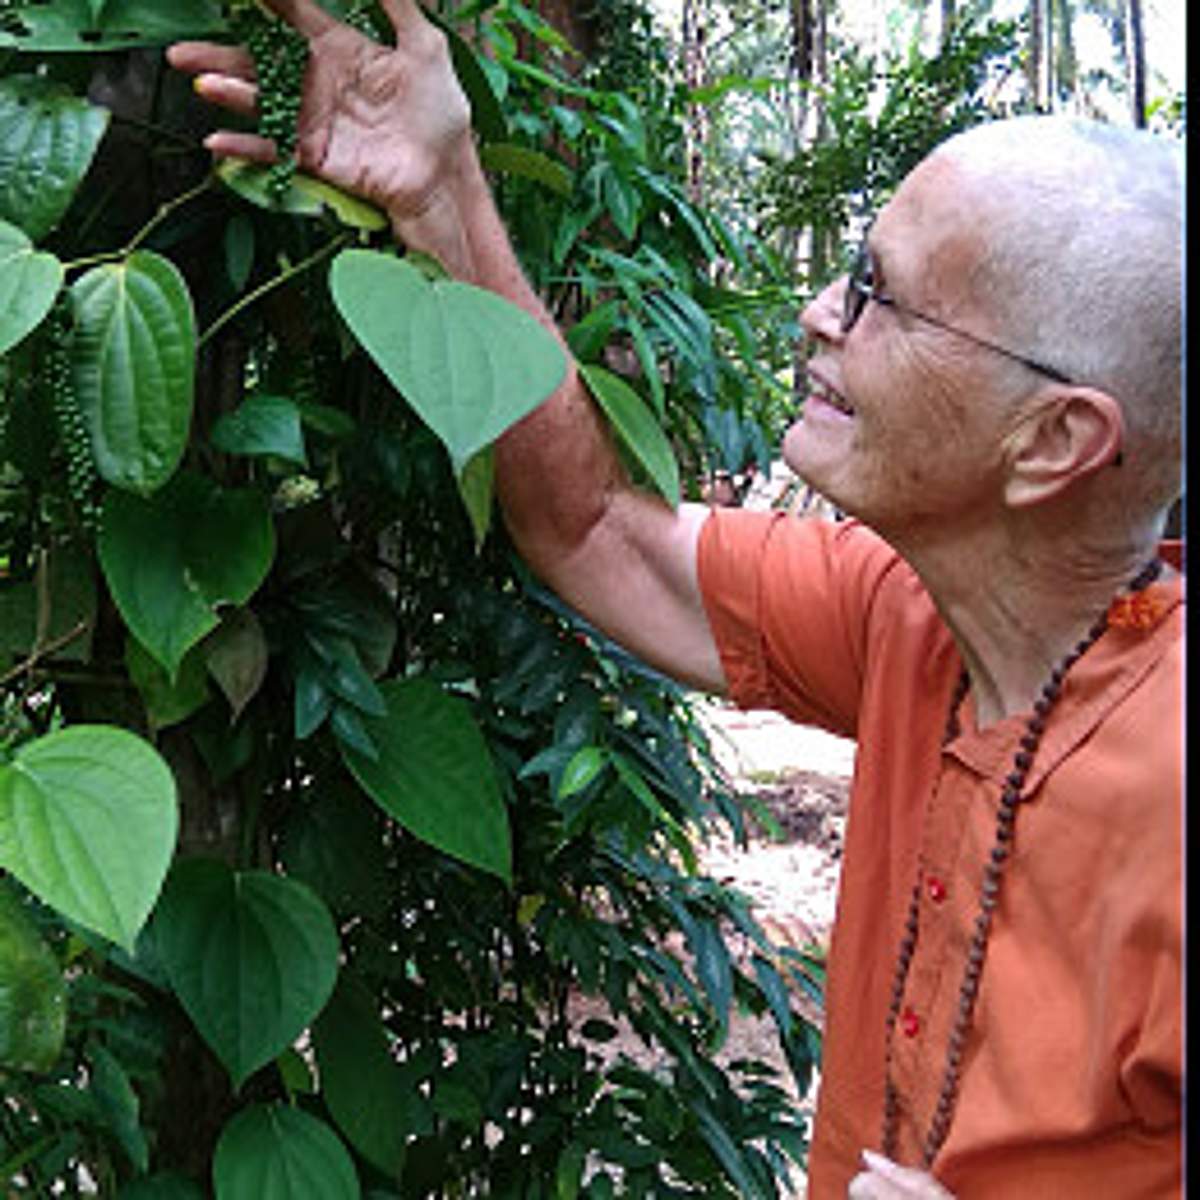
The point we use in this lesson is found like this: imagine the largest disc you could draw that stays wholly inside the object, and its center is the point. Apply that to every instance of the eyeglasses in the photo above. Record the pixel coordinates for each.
(860, 288)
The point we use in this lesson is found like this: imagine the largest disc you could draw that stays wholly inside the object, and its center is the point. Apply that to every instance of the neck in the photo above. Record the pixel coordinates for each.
(1015, 608)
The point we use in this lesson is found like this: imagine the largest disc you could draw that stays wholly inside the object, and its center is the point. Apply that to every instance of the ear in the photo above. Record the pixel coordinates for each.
(1072, 433)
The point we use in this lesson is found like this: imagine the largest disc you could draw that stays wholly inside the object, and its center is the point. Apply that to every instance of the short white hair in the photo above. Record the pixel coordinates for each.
(1082, 266)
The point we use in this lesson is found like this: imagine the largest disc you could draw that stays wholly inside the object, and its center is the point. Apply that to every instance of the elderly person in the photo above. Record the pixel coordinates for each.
(994, 397)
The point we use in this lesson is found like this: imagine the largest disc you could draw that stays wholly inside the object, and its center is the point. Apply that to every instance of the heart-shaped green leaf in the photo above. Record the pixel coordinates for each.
(335, 845)
(112, 24)
(470, 363)
(637, 428)
(29, 281)
(33, 999)
(252, 956)
(88, 821)
(262, 425)
(476, 486)
(48, 137)
(171, 559)
(134, 362)
(274, 1152)
(435, 776)
(365, 1089)
(237, 655)
(168, 701)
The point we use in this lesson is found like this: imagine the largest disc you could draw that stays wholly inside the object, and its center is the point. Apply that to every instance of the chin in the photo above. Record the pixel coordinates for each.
(797, 455)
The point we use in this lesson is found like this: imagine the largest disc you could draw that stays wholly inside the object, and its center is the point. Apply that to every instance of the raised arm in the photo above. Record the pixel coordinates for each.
(393, 126)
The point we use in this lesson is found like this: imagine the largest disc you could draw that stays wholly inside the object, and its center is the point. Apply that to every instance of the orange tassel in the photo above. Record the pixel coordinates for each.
(1137, 610)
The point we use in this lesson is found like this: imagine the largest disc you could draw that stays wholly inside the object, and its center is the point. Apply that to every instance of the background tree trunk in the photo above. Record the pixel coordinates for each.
(800, 62)
(693, 32)
(1033, 60)
(1065, 71)
(1136, 58)
(949, 14)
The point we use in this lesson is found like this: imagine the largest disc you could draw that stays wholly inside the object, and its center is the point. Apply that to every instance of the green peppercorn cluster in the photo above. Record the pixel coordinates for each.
(10, 17)
(366, 19)
(56, 380)
(280, 59)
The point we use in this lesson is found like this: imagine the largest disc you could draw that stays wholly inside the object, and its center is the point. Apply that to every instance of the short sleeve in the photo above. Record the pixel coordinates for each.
(790, 603)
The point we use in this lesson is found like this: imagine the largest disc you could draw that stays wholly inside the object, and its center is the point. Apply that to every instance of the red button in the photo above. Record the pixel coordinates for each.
(936, 889)
(910, 1023)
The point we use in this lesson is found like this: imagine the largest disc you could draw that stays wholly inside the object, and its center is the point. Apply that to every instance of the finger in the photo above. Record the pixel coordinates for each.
(197, 58)
(304, 16)
(237, 95)
(227, 144)
(405, 15)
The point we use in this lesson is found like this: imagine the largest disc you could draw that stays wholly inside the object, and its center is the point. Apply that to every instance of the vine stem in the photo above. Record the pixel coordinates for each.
(44, 651)
(272, 283)
(164, 211)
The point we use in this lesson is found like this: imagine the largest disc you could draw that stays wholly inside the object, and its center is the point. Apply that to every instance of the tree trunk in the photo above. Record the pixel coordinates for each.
(694, 23)
(800, 60)
(1066, 72)
(1033, 59)
(802, 71)
(949, 15)
(1135, 33)
(1049, 90)
(817, 237)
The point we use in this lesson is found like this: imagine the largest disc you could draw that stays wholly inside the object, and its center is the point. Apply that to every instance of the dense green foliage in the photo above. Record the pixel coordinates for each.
(882, 114)
(320, 821)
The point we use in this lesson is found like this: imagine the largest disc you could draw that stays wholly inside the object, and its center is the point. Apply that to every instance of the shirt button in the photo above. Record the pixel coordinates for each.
(910, 1023)
(936, 889)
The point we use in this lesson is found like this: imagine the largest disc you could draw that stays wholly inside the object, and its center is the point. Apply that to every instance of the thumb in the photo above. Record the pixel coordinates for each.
(908, 1181)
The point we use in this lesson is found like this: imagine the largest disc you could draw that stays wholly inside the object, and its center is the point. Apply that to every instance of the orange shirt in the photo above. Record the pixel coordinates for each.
(1071, 1077)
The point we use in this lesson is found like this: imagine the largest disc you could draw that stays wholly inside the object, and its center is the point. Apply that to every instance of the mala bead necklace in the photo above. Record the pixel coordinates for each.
(993, 870)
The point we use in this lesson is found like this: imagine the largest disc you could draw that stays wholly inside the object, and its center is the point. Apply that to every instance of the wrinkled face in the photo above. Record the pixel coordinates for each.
(904, 423)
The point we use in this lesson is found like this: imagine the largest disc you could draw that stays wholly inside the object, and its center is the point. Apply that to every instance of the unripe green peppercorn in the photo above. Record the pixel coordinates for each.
(280, 60)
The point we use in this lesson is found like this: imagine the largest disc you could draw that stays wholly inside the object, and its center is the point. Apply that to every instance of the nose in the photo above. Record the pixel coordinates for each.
(822, 316)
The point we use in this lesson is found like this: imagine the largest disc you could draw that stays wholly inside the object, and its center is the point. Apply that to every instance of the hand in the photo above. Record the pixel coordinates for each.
(390, 125)
(886, 1180)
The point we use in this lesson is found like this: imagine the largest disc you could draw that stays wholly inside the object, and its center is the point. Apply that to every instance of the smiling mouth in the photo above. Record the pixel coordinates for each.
(817, 390)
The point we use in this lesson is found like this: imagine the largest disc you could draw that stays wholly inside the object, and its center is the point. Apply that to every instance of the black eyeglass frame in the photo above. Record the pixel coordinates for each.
(859, 290)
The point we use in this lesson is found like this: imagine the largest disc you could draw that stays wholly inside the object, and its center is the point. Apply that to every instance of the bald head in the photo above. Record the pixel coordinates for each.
(1081, 266)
